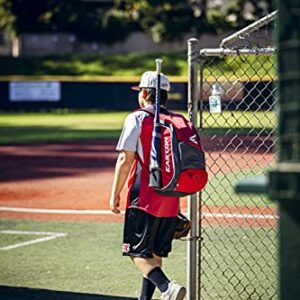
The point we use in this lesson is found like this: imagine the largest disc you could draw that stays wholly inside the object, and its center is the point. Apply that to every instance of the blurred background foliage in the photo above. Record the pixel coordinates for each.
(111, 21)
(129, 64)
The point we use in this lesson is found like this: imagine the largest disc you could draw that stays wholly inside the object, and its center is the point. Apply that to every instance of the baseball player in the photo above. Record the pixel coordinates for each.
(150, 218)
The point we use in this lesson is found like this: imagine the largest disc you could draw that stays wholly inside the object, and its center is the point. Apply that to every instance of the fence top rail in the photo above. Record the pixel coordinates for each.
(252, 27)
(222, 51)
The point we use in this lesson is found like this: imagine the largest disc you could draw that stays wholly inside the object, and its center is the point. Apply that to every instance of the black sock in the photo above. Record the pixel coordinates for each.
(148, 288)
(158, 277)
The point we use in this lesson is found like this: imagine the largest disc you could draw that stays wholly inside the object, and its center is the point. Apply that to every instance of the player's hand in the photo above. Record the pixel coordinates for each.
(114, 203)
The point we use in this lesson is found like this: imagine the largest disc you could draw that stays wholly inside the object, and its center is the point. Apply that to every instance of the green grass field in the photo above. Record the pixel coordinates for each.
(88, 260)
(239, 263)
(133, 64)
(220, 190)
(64, 125)
(59, 126)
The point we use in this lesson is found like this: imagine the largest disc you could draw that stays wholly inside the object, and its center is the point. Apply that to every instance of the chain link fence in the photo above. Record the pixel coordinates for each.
(237, 251)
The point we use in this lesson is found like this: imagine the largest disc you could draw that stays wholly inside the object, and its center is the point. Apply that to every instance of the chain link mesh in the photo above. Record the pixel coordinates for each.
(238, 249)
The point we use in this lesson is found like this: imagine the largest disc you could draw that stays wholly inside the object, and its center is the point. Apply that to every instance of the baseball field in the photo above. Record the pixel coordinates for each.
(58, 239)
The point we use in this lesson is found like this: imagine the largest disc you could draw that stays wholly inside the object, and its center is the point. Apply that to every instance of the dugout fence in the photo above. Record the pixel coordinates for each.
(232, 100)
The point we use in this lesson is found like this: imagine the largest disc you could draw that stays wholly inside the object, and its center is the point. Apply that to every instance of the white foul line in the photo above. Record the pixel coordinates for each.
(56, 211)
(49, 236)
(240, 216)
(108, 212)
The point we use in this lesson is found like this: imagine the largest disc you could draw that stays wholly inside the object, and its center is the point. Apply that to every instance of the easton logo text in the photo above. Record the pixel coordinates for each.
(167, 155)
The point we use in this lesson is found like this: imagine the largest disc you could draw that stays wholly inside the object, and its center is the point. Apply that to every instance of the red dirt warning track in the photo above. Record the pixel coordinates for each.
(78, 176)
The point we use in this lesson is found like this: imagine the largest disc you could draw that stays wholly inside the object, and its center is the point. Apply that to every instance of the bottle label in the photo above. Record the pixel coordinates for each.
(215, 104)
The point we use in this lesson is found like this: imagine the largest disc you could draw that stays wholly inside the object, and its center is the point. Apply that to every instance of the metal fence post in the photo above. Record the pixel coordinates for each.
(285, 178)
(192, 200)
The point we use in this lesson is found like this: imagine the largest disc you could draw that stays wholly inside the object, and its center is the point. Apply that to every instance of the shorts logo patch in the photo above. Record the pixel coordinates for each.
(125, 248)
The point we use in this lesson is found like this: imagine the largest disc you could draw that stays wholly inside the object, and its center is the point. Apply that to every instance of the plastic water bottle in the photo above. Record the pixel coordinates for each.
(215, 99)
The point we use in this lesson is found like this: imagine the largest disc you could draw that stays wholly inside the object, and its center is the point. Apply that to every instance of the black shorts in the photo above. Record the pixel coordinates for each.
(145, 234)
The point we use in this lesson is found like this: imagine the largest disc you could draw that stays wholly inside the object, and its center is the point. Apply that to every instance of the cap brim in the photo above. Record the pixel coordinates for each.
(135, 88)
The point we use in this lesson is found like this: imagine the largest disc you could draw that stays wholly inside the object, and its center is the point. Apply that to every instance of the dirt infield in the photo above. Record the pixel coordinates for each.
(78, 176)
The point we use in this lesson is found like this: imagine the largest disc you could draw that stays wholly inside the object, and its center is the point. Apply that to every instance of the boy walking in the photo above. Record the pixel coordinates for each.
(150, 218)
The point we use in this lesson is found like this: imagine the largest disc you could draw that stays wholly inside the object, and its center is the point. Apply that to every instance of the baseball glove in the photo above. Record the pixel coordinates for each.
(183, 226)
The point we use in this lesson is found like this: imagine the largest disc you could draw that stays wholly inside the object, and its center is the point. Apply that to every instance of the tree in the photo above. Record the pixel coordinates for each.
(6, 17)
(169, 20)
(86, 19)
(114, 21)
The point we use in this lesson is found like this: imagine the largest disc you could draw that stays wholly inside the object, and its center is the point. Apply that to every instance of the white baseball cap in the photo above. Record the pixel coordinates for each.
(149, 80)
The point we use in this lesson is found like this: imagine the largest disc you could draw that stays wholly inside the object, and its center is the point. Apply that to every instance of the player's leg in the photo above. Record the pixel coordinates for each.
(162, 232)
(152, 271)
(137, 245)
(146, 265)
(146, 240)
(148, 288)
(157, 278)
(162, 247)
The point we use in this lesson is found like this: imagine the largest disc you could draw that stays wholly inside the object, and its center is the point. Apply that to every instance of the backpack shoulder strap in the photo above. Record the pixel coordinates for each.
(146, 110)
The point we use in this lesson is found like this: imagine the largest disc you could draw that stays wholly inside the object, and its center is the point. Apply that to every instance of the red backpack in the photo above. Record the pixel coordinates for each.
(182, 161)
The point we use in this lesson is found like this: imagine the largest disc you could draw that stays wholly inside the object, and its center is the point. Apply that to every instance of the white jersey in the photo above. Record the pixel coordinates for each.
(130, 136)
